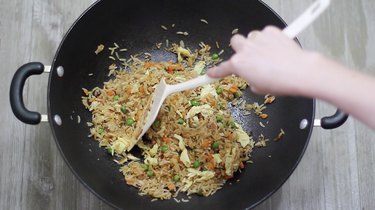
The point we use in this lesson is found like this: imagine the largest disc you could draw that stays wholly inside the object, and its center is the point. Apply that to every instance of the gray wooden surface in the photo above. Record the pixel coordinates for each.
(336, 172)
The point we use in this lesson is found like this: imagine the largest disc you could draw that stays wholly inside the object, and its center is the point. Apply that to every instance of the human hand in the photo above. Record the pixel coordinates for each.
(269, 61)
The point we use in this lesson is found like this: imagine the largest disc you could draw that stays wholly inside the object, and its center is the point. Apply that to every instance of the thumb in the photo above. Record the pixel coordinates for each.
(222, 70)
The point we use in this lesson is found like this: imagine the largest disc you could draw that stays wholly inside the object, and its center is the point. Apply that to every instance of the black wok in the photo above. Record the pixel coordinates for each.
(136, 26)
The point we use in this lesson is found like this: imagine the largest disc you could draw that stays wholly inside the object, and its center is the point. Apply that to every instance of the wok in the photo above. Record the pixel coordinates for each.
(136, 25)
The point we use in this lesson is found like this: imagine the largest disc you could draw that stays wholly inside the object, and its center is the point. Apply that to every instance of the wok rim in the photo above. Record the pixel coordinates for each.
(76, 175)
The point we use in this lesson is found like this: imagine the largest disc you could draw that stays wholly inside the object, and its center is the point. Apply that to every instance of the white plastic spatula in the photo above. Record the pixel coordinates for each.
(163, 90)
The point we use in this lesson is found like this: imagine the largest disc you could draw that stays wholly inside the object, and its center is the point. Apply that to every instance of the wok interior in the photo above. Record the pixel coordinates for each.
(135, 25)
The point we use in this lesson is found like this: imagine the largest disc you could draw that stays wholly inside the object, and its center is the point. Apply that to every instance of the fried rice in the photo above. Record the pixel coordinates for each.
(193, 146)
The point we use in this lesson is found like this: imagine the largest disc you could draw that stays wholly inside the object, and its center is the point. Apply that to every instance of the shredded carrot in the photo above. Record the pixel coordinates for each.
(138, 115)
(149, 64)
(130, 181)
(210, 157)
(142, 90)
(263, 116)
(242, 166)
(166, 140)
(206, 143)
(110, 92)
(170, 69)
(210, 166)
(129, 90)
(171, 187)
(233, 89)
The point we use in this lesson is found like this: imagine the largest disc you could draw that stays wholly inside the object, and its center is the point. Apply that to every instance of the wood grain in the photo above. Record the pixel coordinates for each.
(336, 171)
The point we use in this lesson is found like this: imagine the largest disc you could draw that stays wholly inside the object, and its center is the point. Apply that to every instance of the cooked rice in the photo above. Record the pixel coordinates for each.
(178, 154)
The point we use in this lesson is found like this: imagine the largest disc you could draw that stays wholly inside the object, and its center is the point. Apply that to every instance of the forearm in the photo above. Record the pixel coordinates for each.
(349, 90)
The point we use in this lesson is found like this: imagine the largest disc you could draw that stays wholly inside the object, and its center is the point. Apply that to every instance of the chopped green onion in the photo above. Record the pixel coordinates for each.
(164, 148)
(176, 178)
(150, 173)
(100, 130)
(237, 94)
(219, 90)
(123, 109)
(145, 166)
(196, 164)
(129, 122)
(215, 145)
(195, 103)
(215, 56)
(116, 98)
(180, 121)
(219, 118)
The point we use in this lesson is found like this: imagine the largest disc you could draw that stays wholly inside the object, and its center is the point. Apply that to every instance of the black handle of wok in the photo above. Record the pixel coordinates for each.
(16, 90)
(334, 121)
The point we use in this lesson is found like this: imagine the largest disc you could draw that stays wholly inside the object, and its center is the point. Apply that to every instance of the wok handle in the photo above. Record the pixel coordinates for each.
(334, 121)
(16, 90)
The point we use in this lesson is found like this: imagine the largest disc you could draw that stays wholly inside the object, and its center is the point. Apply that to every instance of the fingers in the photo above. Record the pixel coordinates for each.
(224, 69)
(253, 34)
(238, 42)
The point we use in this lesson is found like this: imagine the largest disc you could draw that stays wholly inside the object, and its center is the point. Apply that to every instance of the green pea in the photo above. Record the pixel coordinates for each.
(196, 164)
(150, 173)
(145, 166)
(156, 124)
(237, 94)
(176, 178)
(116, 98)
(100, 130)
(123, 109)
(221, 105)
(203, 72)
(130, 122)
(232, 124)
(180, 121)
(195, 103)
(215, 56)
(110, 150)
(215, 145)
(164, 148)
(219, 118)
(219, 90)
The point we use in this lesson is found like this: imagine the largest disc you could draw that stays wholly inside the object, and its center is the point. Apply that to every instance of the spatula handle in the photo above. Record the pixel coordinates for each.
(306, 18)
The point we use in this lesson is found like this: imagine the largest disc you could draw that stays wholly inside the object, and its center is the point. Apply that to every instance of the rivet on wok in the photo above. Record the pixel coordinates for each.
(57, 120)
(303, 124)
(60, 71)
